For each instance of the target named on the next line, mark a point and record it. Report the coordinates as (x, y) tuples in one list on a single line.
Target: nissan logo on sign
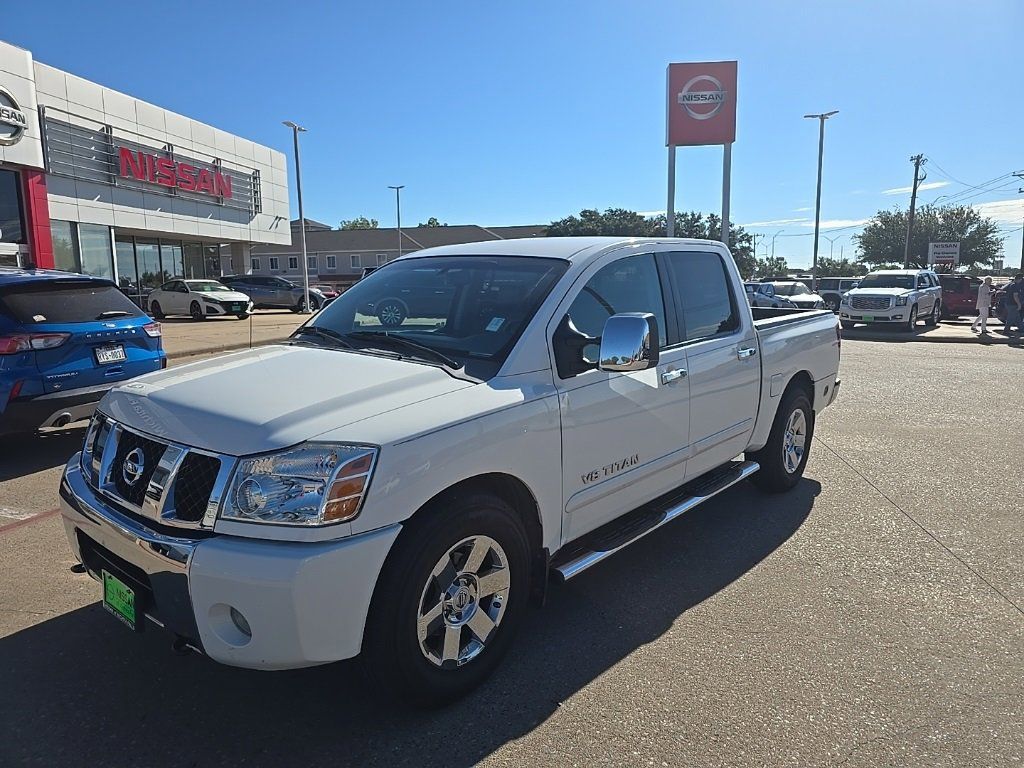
[(13, 122), (701, 103), (702, 97)]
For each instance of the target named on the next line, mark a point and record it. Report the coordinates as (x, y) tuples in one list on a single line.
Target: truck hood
[(271, 397)]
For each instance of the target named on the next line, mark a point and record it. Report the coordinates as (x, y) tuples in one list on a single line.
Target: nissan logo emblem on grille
[(702, 97), (134, 465), (13, 122)]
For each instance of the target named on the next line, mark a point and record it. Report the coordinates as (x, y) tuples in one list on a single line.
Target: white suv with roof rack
[(901, 296)]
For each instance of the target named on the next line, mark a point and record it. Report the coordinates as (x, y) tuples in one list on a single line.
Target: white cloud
[(805, 222), (920, 188), (778, 223), (653, 213), (834, 223), (803, 210), (1003, 211)]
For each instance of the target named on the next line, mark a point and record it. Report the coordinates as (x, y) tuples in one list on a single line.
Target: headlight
[(845, 298), (901, 301), (312, 484)]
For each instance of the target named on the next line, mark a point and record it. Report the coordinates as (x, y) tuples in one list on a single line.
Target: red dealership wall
[(37, 218)]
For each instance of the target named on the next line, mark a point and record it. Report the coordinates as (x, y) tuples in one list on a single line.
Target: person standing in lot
[(1014, 299), (984, 304)]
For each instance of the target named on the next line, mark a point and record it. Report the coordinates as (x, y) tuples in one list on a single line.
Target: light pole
[(398, 213), (831, 243), (773, 241), (296, 129), (817, 201)]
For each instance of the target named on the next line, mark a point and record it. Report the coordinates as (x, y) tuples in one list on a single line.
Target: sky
[(526, 112)]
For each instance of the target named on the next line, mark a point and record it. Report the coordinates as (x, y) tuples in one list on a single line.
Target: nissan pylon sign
[(944, 253), (701, 104)]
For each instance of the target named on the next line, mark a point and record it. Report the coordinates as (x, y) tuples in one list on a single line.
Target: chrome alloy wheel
[(794, 440), (463, 602)]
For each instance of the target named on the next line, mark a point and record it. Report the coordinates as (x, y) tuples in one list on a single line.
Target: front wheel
[(195, 311), (933, 318), (391, 313), (449, 600), (832, 303), (784, 456), (242, 315), (912, 320)]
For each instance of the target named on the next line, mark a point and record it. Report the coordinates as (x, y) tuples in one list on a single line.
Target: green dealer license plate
[(868, 318), (119, 599)]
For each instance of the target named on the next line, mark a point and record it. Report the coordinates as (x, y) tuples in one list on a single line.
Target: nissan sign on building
[(13, 122), (701, 103)]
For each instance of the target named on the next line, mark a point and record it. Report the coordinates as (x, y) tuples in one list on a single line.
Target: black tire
[(912, 320), (832, 303), (301, 306), (847, 324), (156, 311), (391, 313), (196, 312), (933, 319), (242, 315), (774, 476), (392, 652)]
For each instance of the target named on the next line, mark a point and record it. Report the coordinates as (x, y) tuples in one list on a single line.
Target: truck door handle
[(745, 352), (669, 376)]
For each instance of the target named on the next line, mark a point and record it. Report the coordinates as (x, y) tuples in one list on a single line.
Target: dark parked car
[(831, 289), (763, 295), (65, 339), (274, 292), (405, 297)]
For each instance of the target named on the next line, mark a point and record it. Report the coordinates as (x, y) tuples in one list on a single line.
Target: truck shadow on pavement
[(79, 689), (22, 455)]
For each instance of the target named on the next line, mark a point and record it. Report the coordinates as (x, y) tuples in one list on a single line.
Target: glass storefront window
[(94, 248), (64, 256), (127, 278), (147, 256), (173, 259), (11, 228), (211, 255), (194, 261)]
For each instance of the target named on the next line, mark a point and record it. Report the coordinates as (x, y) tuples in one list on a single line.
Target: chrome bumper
[(152, 563)]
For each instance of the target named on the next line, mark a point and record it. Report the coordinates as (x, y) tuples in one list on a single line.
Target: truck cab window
[(706, 304), (627, 285)]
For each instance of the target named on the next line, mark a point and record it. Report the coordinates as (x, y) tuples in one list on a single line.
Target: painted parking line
[(24, 519)]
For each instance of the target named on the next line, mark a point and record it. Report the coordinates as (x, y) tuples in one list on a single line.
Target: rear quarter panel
[(789, 346)]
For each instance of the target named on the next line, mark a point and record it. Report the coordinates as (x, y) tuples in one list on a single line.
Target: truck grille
[(174, 485), (870, 302)]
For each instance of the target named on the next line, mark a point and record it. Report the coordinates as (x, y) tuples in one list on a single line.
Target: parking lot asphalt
[(870, 617), (184, 337)]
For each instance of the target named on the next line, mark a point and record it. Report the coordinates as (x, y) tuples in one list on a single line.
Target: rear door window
[(61, 302), (705, 301)]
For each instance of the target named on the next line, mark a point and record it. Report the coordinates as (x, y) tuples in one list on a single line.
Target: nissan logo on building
[(13, 122), (702, 97)]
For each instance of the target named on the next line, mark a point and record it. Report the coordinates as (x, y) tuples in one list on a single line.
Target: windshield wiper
[(401, 341), (323, 333), (112, 313)]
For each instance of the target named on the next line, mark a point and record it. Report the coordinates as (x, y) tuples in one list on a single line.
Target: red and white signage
[(701, 103), (170, 173)]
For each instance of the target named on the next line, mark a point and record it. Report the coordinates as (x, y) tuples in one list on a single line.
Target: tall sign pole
[(296, 130), (701, 111), (817, 198)]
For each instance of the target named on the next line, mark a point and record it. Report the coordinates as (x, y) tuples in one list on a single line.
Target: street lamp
[(296, 129), (831, 243), (398, 213), (773, 241), (817, 202)]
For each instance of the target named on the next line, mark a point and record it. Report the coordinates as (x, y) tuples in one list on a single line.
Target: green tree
[(883, 238), (360, 222), (770, 266), (619, 222), (838, 267), (432, 222)]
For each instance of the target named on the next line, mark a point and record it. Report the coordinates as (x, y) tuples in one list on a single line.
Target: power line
[(946, 173)]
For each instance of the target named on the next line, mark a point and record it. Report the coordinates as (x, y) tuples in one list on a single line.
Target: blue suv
[(65, 339)]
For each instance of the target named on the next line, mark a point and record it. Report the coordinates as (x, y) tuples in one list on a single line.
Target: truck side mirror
[(629, 342)]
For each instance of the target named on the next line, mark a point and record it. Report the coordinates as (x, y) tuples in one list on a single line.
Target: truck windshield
[(469, 308), (887, 281)]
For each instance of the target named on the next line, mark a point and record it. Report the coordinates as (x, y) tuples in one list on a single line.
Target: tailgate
[(92, 357)]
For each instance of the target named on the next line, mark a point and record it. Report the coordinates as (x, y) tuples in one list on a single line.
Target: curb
[(906, 337)]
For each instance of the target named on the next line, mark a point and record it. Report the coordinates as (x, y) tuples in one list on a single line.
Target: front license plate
[(112, 354), (236, 307), (119, 599), (868, 318)]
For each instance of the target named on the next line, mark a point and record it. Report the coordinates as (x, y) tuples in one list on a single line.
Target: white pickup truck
[(399, 486)]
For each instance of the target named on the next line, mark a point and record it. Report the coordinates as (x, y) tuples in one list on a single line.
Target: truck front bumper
[(245, 602)]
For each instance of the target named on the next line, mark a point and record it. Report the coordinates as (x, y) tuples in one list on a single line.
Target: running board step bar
[(619, 534)]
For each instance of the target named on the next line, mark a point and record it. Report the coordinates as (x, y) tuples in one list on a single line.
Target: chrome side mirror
[(629, 342)]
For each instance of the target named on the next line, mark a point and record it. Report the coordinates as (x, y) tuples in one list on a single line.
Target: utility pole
[(296, 130), (398, 213), (817, 198), (918, 161), (1020, 175)]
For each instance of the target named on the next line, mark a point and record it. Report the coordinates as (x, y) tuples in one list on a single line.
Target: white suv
[(893, 296)]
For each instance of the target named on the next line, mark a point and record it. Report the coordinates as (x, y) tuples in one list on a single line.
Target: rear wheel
[(196, 311), (156, 311), (449, 599), (933, 318), (784, 456), (391, 313)]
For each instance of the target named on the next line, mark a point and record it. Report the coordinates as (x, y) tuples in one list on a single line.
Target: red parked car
[(960, 297)]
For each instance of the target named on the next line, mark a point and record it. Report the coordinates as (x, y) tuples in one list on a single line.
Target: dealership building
[(93, 180)]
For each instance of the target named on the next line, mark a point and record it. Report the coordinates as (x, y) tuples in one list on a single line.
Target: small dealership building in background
[(96, 181)]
